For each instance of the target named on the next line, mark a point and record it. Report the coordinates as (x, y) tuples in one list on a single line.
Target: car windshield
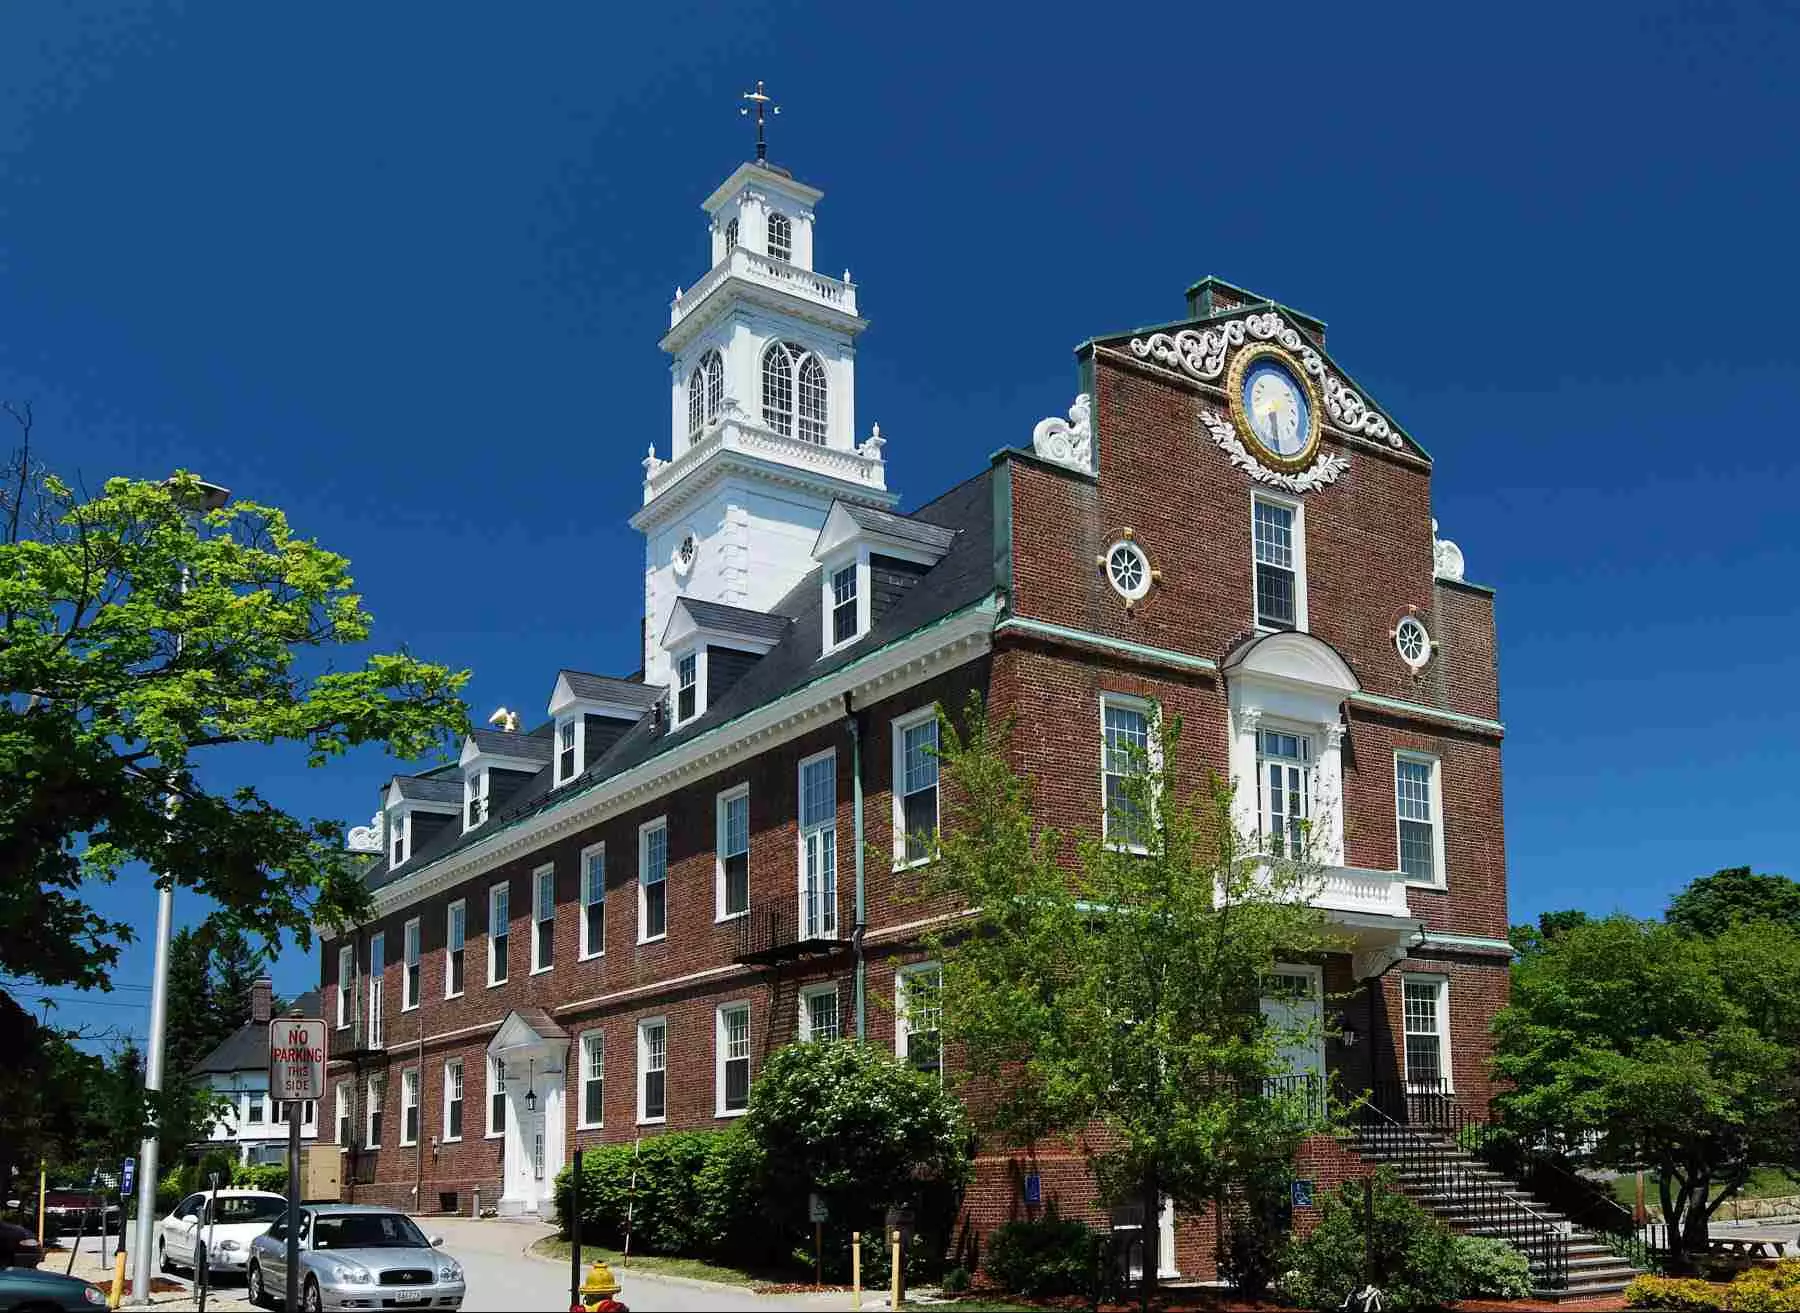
[(239, 1208), (367, 1231)]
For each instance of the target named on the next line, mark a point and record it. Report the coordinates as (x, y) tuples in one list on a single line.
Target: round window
[(1128, 570), (685, 552), (1412, 642)]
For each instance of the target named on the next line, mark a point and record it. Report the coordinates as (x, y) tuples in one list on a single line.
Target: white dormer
[(577, 702), (414, 809), (849, 544), (492, 757), (703, 635)]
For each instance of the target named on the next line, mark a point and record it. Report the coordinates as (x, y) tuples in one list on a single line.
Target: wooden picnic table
[(1753, 1248)]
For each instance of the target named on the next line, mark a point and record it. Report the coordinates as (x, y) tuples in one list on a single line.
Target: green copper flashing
[(1379, 703), (1464, 583), (1160, 655), (1003, 525), (1441, 939)]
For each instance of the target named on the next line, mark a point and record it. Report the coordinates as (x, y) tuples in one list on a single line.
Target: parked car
[(72, 1206), (18, 1246), (28, 1288), (349, 1253), (190, 1234)]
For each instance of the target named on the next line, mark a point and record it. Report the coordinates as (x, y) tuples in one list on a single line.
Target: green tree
[(1529, 939), (1728, 897), (137, 634), (1634, 1044), (1119, 993)]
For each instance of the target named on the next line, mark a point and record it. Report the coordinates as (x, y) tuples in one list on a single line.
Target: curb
[(637, 1274)]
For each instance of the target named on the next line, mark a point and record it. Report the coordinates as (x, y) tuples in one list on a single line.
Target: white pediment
[(1294, 658), (518, 1039)]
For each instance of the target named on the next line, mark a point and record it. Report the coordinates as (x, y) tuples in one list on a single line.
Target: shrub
[(1042, 1258), (1680, 1293), (1490, 1269), (256, 1176), (1760, 1290), (956, 1281), (653, 1187), (1258, 1238)]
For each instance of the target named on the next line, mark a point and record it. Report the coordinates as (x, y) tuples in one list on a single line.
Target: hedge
[(654, 1188), (1761, 1290)]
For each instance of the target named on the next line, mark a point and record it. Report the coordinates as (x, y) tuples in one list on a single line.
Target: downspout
[(861, 924)]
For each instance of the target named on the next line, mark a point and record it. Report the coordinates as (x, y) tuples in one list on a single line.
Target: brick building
[(597, 928)]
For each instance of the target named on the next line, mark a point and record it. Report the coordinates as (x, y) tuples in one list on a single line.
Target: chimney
[(262, 991)]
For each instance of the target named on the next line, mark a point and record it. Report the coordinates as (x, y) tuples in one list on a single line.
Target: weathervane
[(760, 98)]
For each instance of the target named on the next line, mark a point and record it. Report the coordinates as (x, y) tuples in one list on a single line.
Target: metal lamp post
[(210, 498)]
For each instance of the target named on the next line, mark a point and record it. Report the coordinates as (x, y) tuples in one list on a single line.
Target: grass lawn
[(697, 1269), (1765, 1183)]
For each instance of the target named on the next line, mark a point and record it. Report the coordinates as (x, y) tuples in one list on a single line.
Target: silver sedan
[(356, 1256)]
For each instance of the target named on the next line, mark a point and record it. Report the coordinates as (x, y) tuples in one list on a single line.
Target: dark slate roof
[(604, 688), (735, 619), (534, 746), (963, 518), (907, 528), (431, 788), (247, 1047)]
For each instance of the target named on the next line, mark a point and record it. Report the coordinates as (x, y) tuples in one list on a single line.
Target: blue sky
[(401, 269)]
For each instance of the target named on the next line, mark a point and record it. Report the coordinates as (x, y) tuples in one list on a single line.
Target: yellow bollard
[(894, 1297), (118, 1290), (856, 1269), (42, 1180)]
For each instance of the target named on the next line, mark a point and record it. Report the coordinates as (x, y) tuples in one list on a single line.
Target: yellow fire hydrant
[(600, 1290)]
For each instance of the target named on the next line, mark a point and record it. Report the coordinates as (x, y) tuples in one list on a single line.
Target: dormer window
[(475, 798), (781, 236), (687, 687), (844, 625), (397, 847), (568, 750), (863, 551)]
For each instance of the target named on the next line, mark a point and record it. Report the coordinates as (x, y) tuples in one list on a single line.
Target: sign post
[(296, 1074), (817, 1210)]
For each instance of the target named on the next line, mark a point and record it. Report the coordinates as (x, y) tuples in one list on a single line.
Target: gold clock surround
[(1315, 407)]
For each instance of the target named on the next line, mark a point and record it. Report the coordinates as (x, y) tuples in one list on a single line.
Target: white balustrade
[(781, 448), (755, 267)]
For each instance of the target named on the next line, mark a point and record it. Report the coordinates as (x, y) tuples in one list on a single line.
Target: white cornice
[(722, 461), (749, 174)]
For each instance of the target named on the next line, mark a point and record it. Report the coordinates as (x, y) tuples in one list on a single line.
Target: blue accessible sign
[(126, 1174), (1302, 1194), (1034, 1188)]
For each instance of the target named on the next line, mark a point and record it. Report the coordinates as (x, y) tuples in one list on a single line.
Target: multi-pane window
[(1415, 807), (781, 236), (778, 388), (499, 933), (1277, 593), (734, 1058), (1125, 755), (916, 786), (456, 933), (919, 1032), (1425, 1001), (496, 1101), (712, 364), (453, 1099), (653, 1070), (409, 1106), (414, 967), (731, 236), (653, 880), (1284, 778), (819, 1015), (593, 900), (687, 686), (475, 793), (377, 965), (734, 853), (818, 847), (396, 823), (568, 757), (342, 1103), (377, 1088), (346, 993), (543, 919), (812, 399), (696, 403), (843, 605), (253, 1108), (593, 1079)]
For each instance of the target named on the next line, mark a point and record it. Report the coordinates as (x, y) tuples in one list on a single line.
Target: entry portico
[(528, 1055)]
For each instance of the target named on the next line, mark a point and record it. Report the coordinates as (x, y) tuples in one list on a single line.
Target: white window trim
[(1152, 713), (340, 1108), (415, 932), (803, 1026), (399, 821), (643, 1069), (660, 823), (698, 652), (1446, 1058), (719, 1036), (493, 957), (418, 1098), (449, 920), (374, 1093), (587, 950), (859, 556), (903, 1010), (800, 833), (475, 784), (911, 720), (346, 986), (1298, 507), (493, 1132), (1440, 872), (579, 720), (1319, 836), (581, 1079), (457, 1063), (377, 1036), (537, 878), (720, 831)]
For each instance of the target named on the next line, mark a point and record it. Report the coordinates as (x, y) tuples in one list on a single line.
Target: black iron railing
[(1305, 1089), (774, 934)]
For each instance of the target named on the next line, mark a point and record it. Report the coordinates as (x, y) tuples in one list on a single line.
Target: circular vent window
[(685, 552), (1128, 570), (1412, 642)]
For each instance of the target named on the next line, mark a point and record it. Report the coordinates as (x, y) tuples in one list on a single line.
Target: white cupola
[(762, 410)]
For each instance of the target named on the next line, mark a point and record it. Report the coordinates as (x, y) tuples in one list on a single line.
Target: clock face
[(1277, 408)]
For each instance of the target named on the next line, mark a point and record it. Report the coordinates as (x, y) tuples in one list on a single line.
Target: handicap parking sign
[(1302, 1194)]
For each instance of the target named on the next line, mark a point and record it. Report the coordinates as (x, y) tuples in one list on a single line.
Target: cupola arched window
[(789, 370), (706, 392), (731, 237), (781, 237)]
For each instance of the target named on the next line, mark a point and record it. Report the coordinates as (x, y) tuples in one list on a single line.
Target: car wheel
[(309, 1298), (162, 1257), (253, 1286)]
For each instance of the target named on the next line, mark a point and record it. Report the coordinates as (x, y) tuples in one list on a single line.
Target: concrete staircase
[(1567, 1262)]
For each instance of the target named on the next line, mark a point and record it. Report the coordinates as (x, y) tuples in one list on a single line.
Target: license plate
[(411, 1297)]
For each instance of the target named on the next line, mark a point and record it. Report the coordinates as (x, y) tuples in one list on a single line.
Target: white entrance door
[(1292, 1002), (534, 1142)]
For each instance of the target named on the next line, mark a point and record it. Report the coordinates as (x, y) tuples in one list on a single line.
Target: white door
[(1292, 1002), (524, 1130)]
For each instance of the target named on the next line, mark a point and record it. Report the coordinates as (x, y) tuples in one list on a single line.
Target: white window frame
[(1314, 750), (416, 1094), (460, 905), (1298, 509), (587, 855), (912, 720), (803, 1027), (453, 1080), (585, 1075), (1446, 1062), (831, 568), (374, 1091), (475, 789), (376, 981), (543, 875), (644, 1026), (493, 953), (903, 1009), (773, 218), (576, 725), (1439, 871), (496, 1068), (346, 986), (412, 956), (644, 832), (340, 1121), (697, 654), (1151, 713), (829, 927), (721, 1033), (721, 836), (399, 836)]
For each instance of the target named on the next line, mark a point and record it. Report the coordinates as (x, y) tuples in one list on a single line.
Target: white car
[(190, 1236)]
